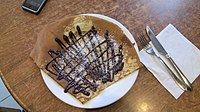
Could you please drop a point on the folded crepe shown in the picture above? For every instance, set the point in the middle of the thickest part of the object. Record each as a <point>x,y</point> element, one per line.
<point>85,55</point>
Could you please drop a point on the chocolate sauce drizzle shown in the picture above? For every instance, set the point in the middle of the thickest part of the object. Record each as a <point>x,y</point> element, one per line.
<point>85,60</point>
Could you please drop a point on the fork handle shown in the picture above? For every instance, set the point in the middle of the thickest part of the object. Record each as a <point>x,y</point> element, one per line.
<point>177,80</point>
<point>179,72</point>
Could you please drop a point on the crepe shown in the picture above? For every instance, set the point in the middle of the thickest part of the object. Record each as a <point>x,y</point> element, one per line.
<point>51,39</point>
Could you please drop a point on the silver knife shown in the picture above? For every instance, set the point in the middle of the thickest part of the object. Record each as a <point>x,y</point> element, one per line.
<point>163,52</point>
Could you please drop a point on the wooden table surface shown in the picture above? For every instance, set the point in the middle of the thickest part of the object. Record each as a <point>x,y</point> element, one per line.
<point>18,30</point>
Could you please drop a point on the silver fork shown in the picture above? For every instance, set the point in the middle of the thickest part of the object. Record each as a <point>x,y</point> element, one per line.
<point>148,48</point>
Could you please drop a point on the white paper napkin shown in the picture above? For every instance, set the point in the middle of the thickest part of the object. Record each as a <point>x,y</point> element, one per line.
<point>182,51</point>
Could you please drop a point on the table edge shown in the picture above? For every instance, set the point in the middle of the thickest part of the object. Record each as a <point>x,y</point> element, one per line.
<point>12,93</point>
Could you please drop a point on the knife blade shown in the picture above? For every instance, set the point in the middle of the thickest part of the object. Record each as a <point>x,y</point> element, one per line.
<point>155,41</point>
<point>163,52</point>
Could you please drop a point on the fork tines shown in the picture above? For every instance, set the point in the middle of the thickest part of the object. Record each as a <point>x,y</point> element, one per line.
<point>143,41</point>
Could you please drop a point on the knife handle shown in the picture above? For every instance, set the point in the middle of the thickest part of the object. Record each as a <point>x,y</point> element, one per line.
<point>177,80</point>
<point>180,73</point>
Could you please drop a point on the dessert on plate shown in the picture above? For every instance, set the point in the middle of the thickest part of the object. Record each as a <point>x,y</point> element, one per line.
<point>85,55</point>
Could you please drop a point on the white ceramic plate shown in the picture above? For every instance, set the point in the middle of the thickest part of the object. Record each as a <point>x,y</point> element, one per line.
<point>107,96</point>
